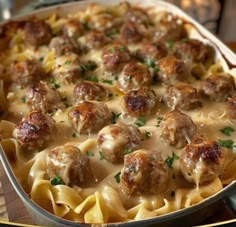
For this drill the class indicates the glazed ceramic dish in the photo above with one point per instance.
(117, 114)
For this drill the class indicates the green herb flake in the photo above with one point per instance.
(122, 48)
(151, 158)
(226, 143)
(169, 161)
(169, 44)
(56, 180)
(159, 119)
(89, 153)
(23, 99)
(141, 121)
(114, 116)
(57, 86)
(112, 50)
(117, 177)
(107, 81)
(147, 135)
(52, 80)
(149, 62)
(86, 26)
(74, 135)
(92, 78)
(101, 156)
(64, 99)
(127, 151)
(227, 130)
(41, 59)
(67, 62)
(88, 66)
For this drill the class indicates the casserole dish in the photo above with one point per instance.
(36, 164)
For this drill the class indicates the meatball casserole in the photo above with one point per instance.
(115, 113)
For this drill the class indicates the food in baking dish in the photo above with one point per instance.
(115, 113)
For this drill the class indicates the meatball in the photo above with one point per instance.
(152, 51)
(177, 129)
(70, 164)
(231, 107)
(26, 72)
(172, 70)
(200, 161)
(129, 32)
(139, 102)
(63, 45)
(66, 69)
(43, 97)
(114, 141)
(37, 33)
(218, 87)
(88, 117)
(133, 76)
(72, 28)
(182, 96)
(144, 171)
(115, 56)
(87, 90)
(191, 49)
(35, 130)
(96, 39)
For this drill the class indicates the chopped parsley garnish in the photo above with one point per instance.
(64, 99)
(117, 177)
(227, 130)
(151, 158)
(169, 161)
(122, 48)
(112, 50)
(23, 99)
(140, 122)
(101, 156)
(88, 66)
(150, 63)
(226, 143)
(52, 80)
(127, 151)
(146, 135)
(41, 59)
(89, 153)
(74, 135)
(56, 180)
(107, 81)
(92, 78)
(170, 44)
(67, 62)
(114, 116)
(159, 119)
(86, 26)
(57, 85)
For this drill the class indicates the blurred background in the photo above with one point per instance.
(218, 16)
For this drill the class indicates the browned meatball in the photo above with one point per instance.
(70, 164)
(72, 28)
(88, 117)
(96, 39)
(133, 76)
(139, 102)
(115, 56)
(231, 107)
(200, 161)
(182, 96)
(114, 141)
(191, 49)
(218, 87)
(37, 33)
(152, 51)
(87, 90)
(129, 32)
(66, 69)
(169, 31)
(172, 70)
(35, 130)
(144, 171)
(26, 72)
(43, 97)
(63, 45)
(177, 129)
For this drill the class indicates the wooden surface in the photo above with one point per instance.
(17, 212)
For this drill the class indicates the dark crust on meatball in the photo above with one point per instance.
(144, 172)
(182, 96)
(172, 70)
(37, 33)
(218, 87)
(26, 72)
(115, 56)
(129, 32)
(35, 129)
(231, 107)
(79, 170)
(96, 39)
(87, 90)
(140, 102)
(191, 49)
(134, 76)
